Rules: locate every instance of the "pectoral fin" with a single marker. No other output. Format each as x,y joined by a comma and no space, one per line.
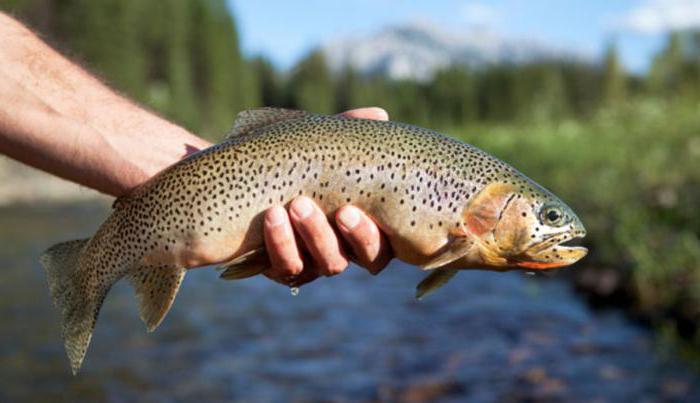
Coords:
457,248
433,281
247,265
484,211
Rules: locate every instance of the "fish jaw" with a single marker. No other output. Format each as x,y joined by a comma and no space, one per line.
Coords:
553,257
552,253
515,237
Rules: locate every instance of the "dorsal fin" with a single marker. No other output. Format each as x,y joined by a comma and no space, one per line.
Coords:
260,117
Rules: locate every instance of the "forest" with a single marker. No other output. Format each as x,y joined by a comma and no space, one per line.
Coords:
623,149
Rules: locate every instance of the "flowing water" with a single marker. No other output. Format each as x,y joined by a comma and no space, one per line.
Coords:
484,337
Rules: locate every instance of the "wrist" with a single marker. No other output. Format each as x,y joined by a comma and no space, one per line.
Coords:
146,146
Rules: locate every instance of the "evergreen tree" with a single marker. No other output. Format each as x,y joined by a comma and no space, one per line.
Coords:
269,82
183,59
176,33
410,102
496,92
691,69
374,90
665,74
180,57
347,89
551,100
224,82
614,79
582,87
310,85
453,97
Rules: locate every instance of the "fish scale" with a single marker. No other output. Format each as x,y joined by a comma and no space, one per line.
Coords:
217,194
439,202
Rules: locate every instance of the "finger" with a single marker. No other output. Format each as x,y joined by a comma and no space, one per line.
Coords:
281,246
318,236
309,274
367,242
373,113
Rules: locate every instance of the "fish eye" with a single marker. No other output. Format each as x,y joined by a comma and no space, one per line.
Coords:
552,216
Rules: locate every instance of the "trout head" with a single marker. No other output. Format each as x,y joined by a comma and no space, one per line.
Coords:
521,226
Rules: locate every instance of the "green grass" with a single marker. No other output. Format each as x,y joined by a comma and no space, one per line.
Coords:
633,176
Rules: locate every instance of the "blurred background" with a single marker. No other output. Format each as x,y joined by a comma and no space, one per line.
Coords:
598,101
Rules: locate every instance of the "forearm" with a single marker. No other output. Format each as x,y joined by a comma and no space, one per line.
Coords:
56,117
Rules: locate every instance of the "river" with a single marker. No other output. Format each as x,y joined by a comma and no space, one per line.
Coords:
485,337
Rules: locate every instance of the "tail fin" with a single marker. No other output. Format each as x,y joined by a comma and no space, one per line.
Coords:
73,292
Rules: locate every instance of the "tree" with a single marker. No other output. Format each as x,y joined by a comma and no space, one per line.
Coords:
409,102
181,58
665,73
310,86
582,87
224,82
614,80
453,96
347,89
269,83
496,89
551,99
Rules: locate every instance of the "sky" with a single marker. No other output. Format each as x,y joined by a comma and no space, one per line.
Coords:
285,30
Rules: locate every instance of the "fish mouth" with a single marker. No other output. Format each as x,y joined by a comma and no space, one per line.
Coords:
552,253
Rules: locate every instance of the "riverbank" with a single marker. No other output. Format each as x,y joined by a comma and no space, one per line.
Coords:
21,184
633,177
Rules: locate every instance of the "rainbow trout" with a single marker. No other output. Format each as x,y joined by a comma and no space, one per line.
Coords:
443,205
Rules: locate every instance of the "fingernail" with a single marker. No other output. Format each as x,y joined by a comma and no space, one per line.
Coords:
380,113
349,217
276,216
302,208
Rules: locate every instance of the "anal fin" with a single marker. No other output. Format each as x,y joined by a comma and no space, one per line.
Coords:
433,281
156,288
247,265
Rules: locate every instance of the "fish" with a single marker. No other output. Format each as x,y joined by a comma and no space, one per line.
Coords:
443,205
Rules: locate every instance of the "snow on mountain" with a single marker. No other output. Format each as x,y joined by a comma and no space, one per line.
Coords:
418,50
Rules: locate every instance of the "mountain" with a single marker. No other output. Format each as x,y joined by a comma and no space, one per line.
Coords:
419,49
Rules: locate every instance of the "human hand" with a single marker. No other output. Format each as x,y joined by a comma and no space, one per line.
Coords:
302,244
69,124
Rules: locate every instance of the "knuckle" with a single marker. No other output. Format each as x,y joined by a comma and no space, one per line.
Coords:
292,267
278,236
279,240
304,211
275,217
366,248
368,244
316,223
336,267
367,236
377,266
